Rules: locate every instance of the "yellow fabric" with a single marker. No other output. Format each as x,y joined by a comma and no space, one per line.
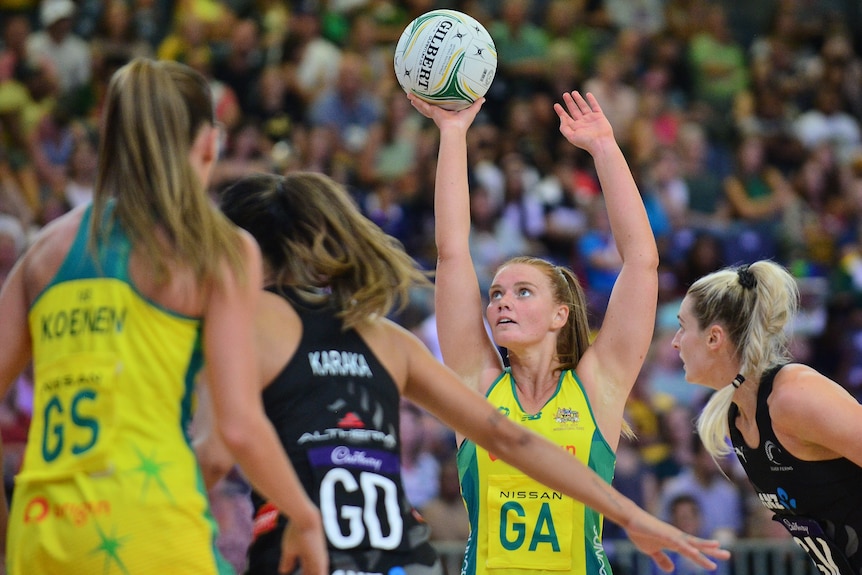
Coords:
109,482
523,525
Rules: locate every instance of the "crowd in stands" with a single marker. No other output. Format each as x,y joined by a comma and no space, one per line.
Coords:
742,123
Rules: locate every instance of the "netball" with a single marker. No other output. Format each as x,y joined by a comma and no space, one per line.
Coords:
447,58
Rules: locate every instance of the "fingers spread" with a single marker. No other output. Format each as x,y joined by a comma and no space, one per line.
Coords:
697,556
594,104
583,107
572,106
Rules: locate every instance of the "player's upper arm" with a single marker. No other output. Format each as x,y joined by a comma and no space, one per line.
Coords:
817,413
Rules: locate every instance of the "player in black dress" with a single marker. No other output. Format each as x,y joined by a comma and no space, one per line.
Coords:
333,371
795,432
335,407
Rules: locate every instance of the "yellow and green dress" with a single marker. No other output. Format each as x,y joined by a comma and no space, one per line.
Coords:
517,525
109,482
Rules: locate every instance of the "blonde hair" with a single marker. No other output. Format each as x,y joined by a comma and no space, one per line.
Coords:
315,240
153,114
754,304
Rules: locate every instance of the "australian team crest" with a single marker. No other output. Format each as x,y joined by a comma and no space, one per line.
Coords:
567,415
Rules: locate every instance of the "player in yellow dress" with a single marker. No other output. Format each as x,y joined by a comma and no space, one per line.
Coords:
557,381
119,305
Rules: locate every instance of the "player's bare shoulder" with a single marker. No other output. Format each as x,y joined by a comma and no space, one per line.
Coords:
394,345
795,391
48,250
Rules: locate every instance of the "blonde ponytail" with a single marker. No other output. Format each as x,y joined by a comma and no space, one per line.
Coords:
754,304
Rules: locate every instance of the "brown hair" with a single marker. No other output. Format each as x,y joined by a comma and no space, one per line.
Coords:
315,239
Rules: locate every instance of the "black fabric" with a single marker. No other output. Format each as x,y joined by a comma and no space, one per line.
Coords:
336,411
819,502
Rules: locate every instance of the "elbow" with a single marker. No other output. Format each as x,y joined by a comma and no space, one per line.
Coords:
645,260
446,252
236,437
652,260
453,256
215,461
214,469
648,256
239,427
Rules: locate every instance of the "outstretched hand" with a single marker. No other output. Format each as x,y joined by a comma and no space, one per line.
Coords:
654,537
442,117
582,121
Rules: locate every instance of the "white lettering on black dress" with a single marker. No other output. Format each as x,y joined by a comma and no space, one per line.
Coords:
336,411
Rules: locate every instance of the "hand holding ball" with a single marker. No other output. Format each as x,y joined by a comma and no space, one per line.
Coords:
447,58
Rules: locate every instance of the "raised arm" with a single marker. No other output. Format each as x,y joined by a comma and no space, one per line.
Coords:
617,355
232,375
437,389
464,342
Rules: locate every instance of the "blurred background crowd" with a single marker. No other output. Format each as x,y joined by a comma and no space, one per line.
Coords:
742,122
